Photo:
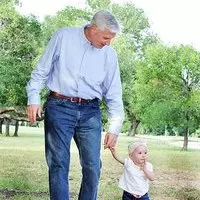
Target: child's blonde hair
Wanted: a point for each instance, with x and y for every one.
(134, 145)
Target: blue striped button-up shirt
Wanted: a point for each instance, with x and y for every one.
(73, 67)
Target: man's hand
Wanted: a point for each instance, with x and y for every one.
(33, 111)
(110, 140)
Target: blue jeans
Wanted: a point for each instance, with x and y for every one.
(65, 120)
(128, 196)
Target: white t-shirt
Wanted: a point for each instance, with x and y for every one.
(133, 179)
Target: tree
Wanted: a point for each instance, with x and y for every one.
(130, 45)
(69, 16)
(167, 88)
(8, 114)
(96, 5)
(19, 42)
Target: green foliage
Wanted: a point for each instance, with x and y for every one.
(19, 42)
(69, 16)
(135, 28)
(18, 38)
(96, 5)
(133, 25)
(167, 87)
(130, 45)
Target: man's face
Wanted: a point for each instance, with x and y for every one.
(101, 38)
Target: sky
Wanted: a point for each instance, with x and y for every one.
(174, 21)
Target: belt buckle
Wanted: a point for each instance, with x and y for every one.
(73, 100)
(79, 100)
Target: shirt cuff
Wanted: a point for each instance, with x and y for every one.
(34, 99)
(114, 125)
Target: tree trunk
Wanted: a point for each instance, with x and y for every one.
(16, 128)
(185, 143)
(166, 131)
(185, 133)
(1, 126)
(7, 121)
(23, 123)
(133, 129)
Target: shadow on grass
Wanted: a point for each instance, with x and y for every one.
(11, 194)
(8, 194)
(188, 194)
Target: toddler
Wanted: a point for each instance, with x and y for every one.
(137, 172)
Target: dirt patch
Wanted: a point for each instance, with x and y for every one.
(177, 185)
(8, 194)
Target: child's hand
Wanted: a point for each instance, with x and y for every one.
(148, 174)
(112, 150)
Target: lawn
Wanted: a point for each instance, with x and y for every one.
(23, 171)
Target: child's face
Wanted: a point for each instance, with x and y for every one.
(139, 155)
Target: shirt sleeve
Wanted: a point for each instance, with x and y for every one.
(113, 96)
(40, 73)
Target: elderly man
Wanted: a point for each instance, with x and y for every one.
(79, 68)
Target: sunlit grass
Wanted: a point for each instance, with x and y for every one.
(23, 170)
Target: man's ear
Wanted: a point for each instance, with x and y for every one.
(94, 28)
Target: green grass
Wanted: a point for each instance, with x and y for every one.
(23, 170)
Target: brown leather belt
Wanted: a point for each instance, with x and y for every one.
(72, 99)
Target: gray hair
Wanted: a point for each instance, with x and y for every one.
(105, 20)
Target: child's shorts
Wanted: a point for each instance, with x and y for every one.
(128, 196)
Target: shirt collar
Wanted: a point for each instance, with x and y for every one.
(84, 38)
(131, 163)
